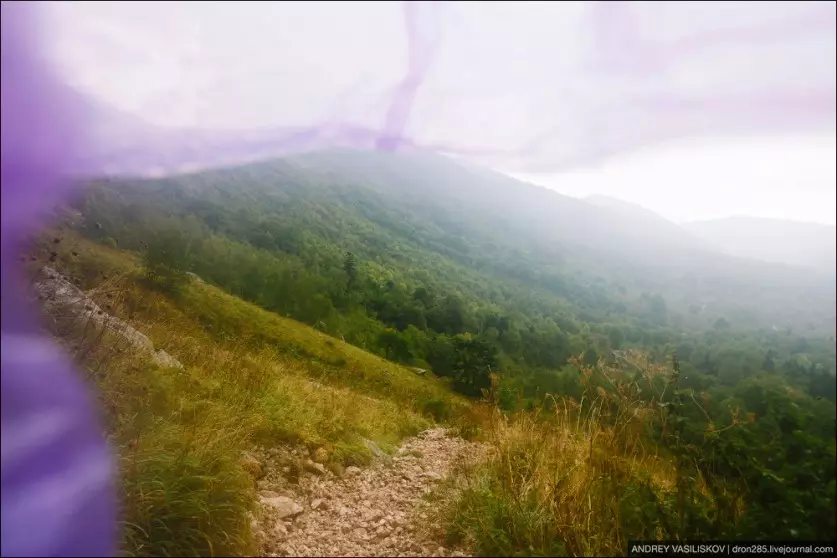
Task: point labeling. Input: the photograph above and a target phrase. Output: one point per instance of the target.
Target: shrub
(166, 262)
(439, 409)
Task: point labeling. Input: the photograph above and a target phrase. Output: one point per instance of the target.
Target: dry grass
(569, 479)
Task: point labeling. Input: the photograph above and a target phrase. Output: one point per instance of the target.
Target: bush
(439, 409)
(166, 260)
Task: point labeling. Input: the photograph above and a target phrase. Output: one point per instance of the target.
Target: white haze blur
(495, 76)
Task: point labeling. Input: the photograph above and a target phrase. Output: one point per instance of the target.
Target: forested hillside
(429, 261)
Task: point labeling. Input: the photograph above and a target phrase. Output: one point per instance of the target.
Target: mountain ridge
(799, 243)
(488, 222)
(722, 233)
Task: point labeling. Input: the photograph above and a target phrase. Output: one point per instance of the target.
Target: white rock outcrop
(60, 297)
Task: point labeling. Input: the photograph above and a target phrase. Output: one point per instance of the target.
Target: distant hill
(496, 204)
(481, 230)
(804, 244)
(653, 224)
(624, 207)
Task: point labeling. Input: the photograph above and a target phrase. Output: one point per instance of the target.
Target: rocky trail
(375, 511)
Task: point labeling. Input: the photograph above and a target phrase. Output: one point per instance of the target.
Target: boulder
(314, 468)
(376, 451)
(284, 506)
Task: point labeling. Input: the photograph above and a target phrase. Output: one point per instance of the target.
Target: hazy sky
(786, 178)
(580, 97)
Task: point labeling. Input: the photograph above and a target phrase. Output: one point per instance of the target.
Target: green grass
(250, 377)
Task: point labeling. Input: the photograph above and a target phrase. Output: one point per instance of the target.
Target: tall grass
(572, 478)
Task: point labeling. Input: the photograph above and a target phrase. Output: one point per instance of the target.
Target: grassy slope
(247, 379)
(554, 484)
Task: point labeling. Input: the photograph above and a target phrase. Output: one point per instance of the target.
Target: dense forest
(470, 274)
(410, 283)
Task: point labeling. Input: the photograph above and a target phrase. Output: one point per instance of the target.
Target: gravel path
(363, 512)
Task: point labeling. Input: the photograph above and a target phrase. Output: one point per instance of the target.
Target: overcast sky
(785, 178)
(581, 97)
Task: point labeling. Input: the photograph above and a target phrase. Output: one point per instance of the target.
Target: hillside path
(375, 511)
